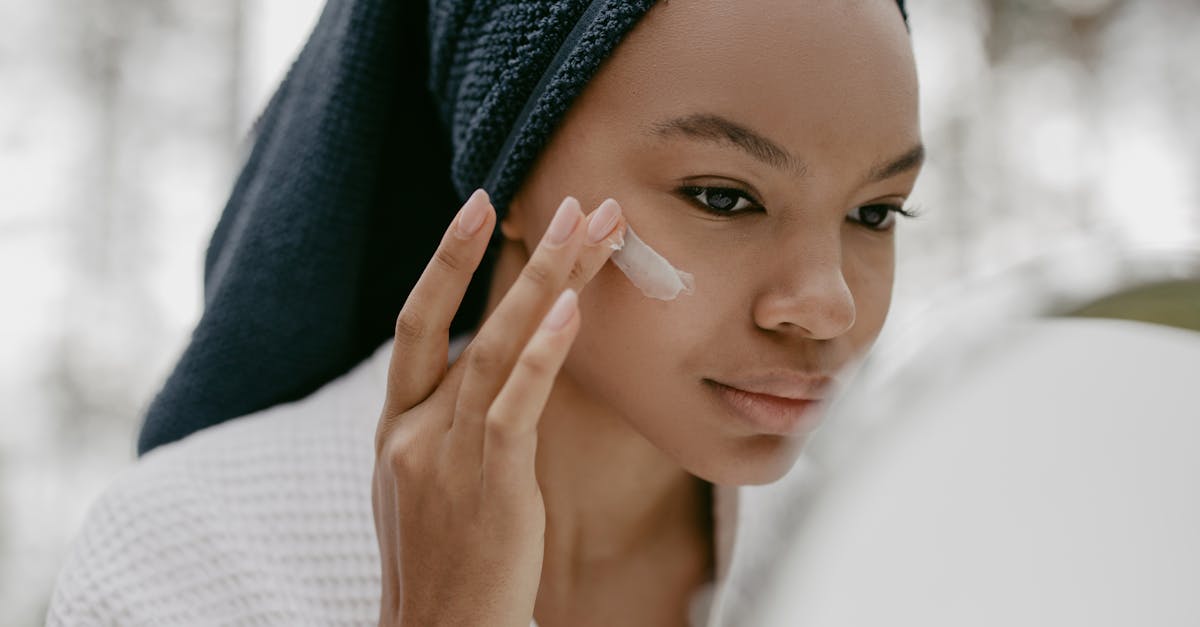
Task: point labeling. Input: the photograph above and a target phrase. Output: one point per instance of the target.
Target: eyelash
(692, 191)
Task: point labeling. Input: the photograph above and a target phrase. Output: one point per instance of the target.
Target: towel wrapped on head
(393, 113)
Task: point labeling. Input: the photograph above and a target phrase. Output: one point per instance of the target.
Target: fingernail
(603, 222)
(471, 216)
(564, 222)
(560, 313)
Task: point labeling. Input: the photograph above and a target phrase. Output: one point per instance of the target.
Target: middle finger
(494, 350)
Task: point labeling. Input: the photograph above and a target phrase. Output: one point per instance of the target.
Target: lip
(787, 384)
(766, 413)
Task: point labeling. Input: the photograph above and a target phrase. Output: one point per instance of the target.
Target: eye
(721, 201)
(878, 217)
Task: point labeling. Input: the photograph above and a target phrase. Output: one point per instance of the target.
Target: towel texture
(393, 113)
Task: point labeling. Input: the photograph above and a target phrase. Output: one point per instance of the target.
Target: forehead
(832, 76)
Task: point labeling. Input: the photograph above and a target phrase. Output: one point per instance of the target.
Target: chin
(752, 460)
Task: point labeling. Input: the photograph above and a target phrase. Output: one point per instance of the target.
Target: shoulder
(266, 515)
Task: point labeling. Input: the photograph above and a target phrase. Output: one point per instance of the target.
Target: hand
(458, 512)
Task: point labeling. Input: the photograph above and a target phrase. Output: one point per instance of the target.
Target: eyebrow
(712, 127)
(910, 160)
(715, 128)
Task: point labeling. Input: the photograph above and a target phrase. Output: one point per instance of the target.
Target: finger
(510, 436)
(419, 350)
(606, 227)
(609, 223)
(501, 338)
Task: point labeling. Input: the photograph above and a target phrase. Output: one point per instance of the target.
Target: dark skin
(609, 522)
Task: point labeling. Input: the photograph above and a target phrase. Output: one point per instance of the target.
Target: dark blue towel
(393, 113)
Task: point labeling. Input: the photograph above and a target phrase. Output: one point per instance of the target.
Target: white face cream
(648, 270)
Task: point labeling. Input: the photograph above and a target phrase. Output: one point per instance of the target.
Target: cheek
(644, 359)
(624, 331)
(638, 354)
(625, 356)
(619, 313)
(869, 270)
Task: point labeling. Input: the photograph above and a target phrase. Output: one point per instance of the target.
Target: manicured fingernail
(560, 313)
(564, 222)
(471, 216)
(603, 222)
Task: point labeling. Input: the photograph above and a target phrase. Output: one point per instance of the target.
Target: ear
(510, 226)
(509, 229)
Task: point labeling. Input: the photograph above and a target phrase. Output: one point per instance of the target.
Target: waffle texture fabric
(262, 520)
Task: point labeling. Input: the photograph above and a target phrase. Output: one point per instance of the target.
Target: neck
(611, 496)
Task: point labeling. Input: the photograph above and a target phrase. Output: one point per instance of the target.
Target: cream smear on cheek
(647, 269)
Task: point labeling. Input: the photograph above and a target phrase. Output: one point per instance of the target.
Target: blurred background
(1064, 176)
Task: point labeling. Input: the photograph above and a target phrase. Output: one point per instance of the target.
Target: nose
(809, 296)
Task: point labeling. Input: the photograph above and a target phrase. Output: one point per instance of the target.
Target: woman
(562, 470)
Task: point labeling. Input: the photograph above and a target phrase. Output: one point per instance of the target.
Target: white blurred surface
(120, 124)
(1055, 482)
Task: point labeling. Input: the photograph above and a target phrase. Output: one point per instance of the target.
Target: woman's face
(793, 122)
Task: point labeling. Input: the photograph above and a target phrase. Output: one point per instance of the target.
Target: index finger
(488, 360)
(419, 350)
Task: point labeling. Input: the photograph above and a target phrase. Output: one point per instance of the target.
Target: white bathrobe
(264, 520)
